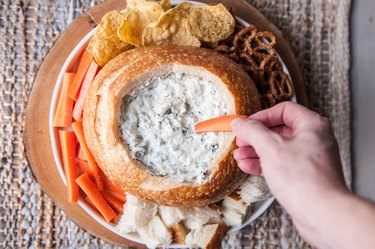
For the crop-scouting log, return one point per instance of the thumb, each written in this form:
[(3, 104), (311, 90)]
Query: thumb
[(255, 134)]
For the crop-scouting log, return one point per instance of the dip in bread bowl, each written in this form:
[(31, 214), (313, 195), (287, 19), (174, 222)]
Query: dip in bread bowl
[(138, 122)]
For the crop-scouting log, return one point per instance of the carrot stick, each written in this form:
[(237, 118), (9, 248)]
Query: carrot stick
[(85, 168), (108, 184), (97, 199), (116, 219), (80, 153), (67, 141), (219, 124), (89, 201), (83, 66), (95, 170), (63, 115), (113, 202), (90, 75), (120, 197)]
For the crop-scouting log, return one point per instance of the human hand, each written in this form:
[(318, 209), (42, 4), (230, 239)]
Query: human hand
[(296, 151)]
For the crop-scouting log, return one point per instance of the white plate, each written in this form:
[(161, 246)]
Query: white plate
[(259, 209)]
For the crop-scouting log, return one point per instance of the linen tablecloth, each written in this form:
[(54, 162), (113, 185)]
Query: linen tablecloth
[(317, 30)]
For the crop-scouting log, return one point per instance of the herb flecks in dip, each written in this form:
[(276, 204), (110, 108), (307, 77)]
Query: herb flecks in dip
[(157, 123)]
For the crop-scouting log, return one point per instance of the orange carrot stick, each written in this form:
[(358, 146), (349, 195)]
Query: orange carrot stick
[(116, 219), (83, 66), (219, 124), (90, 75), (89, 201), (63, 115), (108, 184), (118, 196), (67, 141), (113, 202), (97, 199), (95, 170), (85, 168), (80, 153)]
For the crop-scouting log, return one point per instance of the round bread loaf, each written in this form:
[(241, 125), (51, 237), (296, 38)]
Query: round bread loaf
[(140, 70)]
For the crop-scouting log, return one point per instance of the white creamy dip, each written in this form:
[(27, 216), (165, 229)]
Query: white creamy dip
[(157, 124)]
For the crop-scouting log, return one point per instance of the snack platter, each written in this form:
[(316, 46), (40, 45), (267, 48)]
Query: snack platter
[(69, 63)]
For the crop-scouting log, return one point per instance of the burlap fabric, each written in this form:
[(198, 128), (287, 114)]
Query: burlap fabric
[(318, 31)]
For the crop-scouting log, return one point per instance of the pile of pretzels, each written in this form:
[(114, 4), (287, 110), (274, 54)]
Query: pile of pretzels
[(255, 52)]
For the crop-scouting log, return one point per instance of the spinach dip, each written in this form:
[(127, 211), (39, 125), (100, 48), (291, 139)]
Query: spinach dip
[(157, 124)]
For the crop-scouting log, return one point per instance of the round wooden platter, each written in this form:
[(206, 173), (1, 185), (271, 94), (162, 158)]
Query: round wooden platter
[(37, 138)]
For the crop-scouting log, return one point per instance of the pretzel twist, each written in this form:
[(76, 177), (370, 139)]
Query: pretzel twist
[(246, 34), (280, 86)]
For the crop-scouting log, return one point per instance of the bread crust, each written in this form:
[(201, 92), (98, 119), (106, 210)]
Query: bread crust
[(178, 233), (217, 237), (100, 123)]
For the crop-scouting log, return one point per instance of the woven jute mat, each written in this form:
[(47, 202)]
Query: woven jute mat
[(317, 30)]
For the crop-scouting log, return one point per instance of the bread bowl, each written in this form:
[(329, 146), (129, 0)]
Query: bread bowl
[(141, 70)]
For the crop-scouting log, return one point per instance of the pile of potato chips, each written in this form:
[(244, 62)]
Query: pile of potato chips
[(147, 23)]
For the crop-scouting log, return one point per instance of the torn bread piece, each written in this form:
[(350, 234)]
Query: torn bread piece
[(254, 189), (179, 233), (199, 216), (155, 233), (234, 210), (137, 213), (170, 215), (207, 237)]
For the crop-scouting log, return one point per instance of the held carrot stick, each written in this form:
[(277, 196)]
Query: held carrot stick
[(63, 115), (95, 196), (67, 141), (219, 124), (90, 75), (95, 170), (83, 66)]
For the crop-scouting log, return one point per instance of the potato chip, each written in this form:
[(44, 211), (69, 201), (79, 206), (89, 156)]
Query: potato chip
[(130, 4), (165, 4), (210, 23), (136, 21), (105, 44), (171, 29)]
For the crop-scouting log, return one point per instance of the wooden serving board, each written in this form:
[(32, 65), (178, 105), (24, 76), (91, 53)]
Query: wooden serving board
[(37, 139)]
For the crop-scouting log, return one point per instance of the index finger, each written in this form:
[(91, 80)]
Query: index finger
[(288, 113)]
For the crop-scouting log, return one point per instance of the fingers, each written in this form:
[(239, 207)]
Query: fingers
[(244, 153), (286, 113), (255, 134), (283, 131), (241, 143), (250, 166)]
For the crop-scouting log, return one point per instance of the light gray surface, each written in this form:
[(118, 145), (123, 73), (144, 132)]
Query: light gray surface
[(363, 89)]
